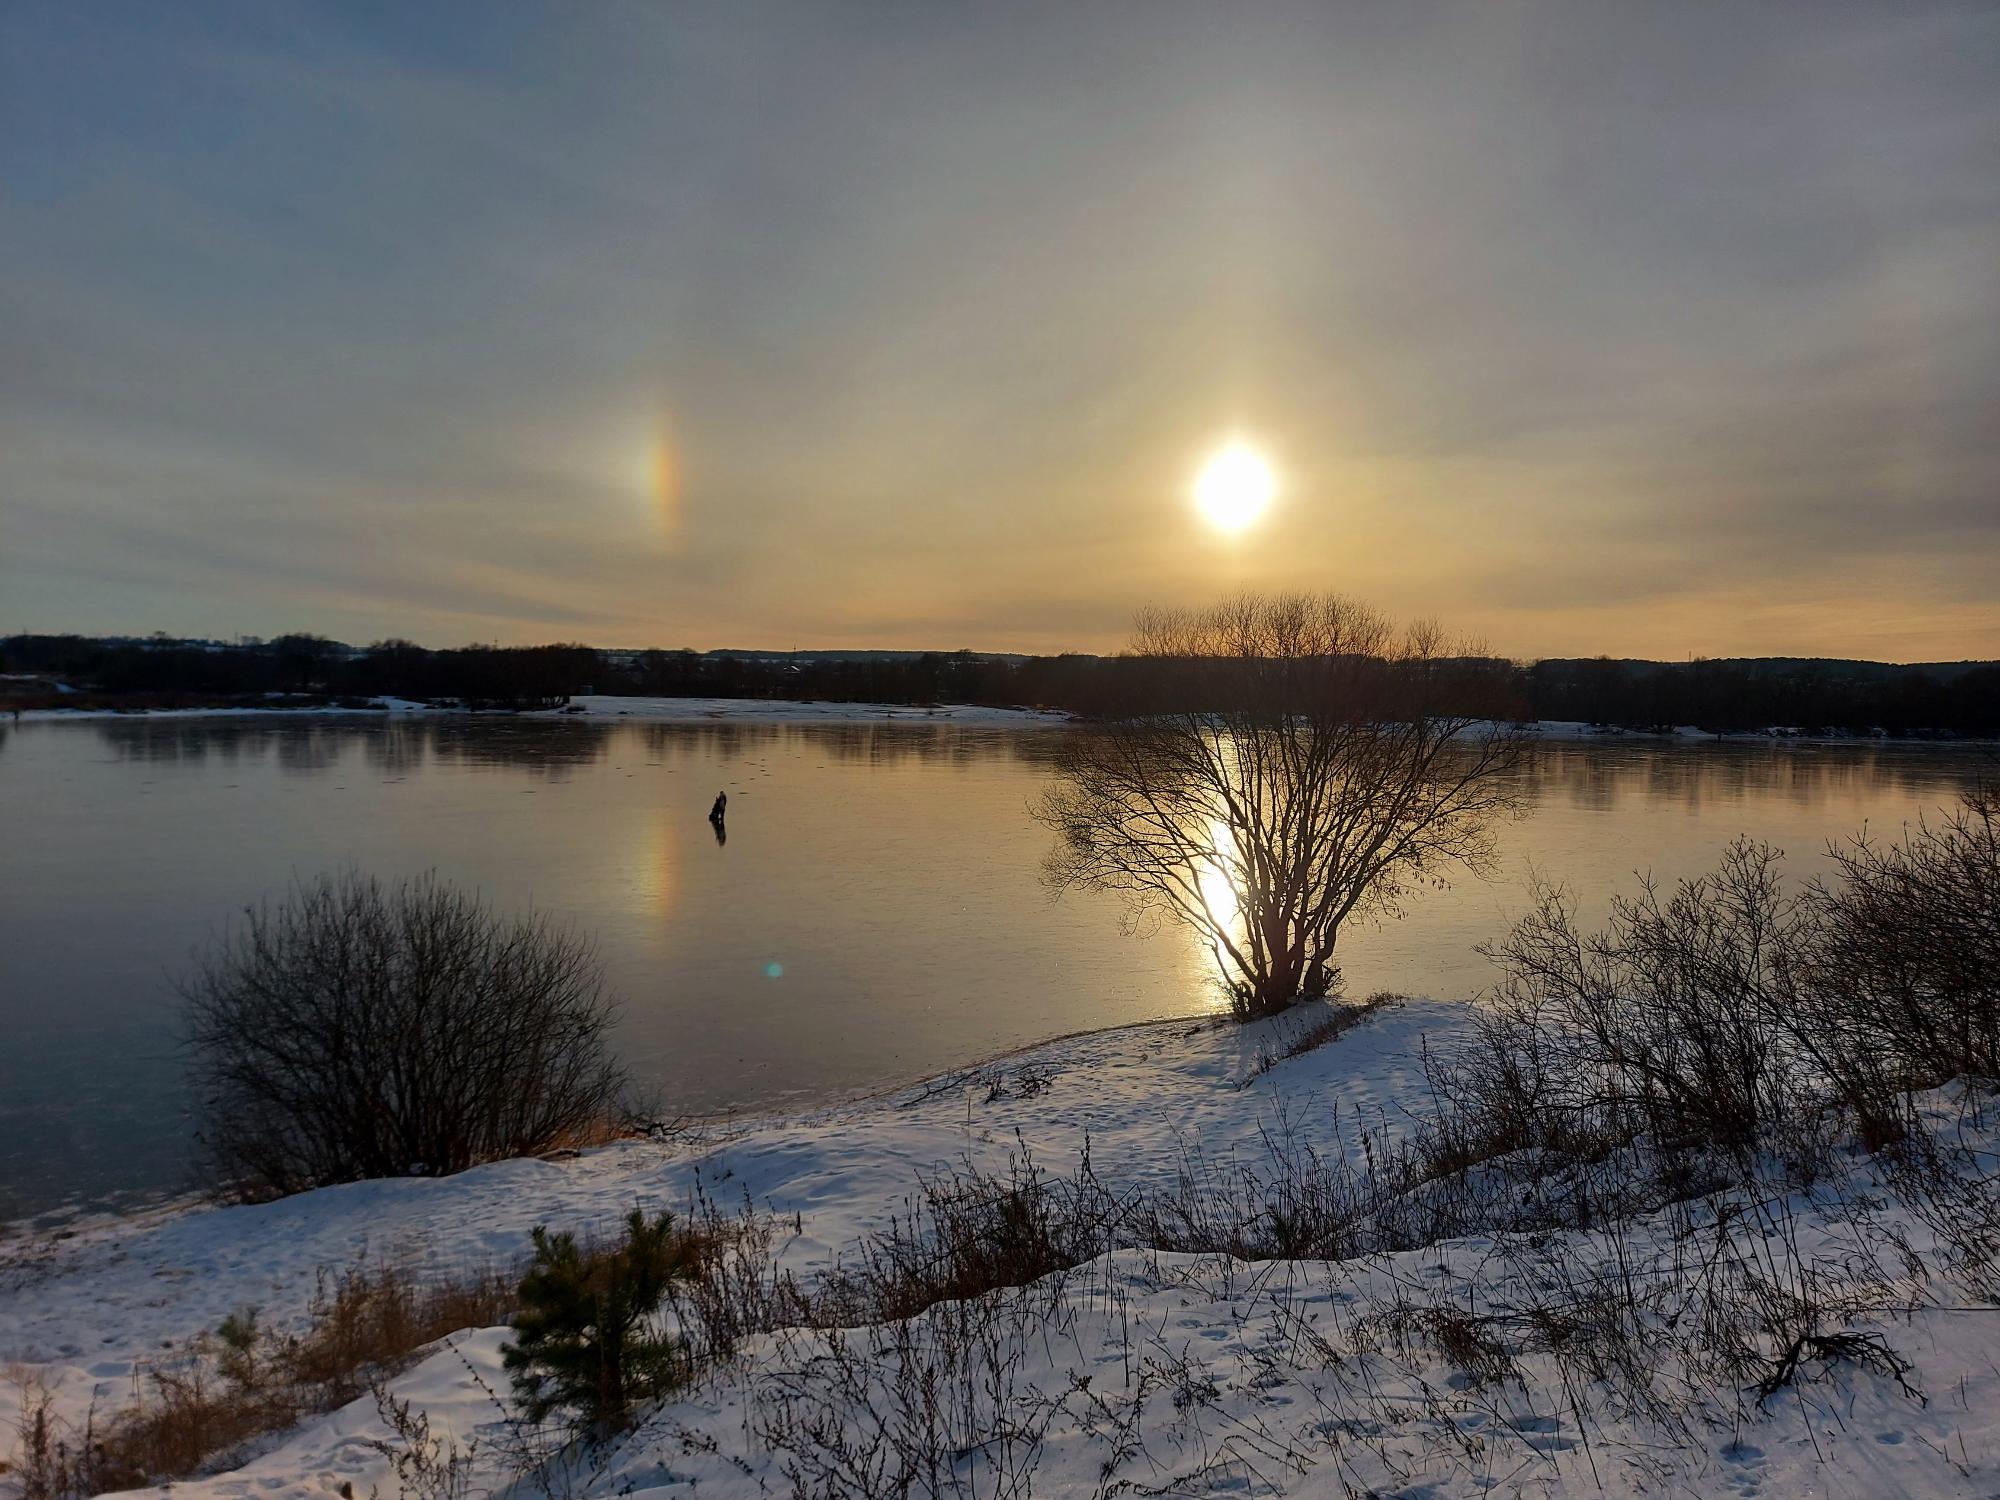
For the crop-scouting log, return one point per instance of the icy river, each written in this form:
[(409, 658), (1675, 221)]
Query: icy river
[(875, 914)]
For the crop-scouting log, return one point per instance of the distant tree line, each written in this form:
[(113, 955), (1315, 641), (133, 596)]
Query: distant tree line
[(1957, 698), (1721, 695), (163, 670)]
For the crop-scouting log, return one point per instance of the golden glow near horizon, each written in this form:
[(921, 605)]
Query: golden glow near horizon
[(995, 336), (1234, 488)]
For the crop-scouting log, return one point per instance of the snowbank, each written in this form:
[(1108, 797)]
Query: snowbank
[(784, 711), (651, 710), (787, 711), (1781, 734), (1177, 1374), (115, 1292), (375, 707)]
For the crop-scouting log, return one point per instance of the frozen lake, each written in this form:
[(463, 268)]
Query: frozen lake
[(876, 913)]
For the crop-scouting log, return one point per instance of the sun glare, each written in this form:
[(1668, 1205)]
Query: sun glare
[(1234, 488), (1213, 880)]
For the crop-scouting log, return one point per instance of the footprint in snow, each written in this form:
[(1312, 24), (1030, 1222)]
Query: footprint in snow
[(1749, 1459), (1543, 1434)]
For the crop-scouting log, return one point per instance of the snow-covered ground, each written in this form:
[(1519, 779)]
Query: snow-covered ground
[(376, 707), (788, 711), (1576, 729), (782, 711), (1142, 1372), (653, 710)]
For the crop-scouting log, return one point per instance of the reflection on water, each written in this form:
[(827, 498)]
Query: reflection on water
[(1594, 774), (1599, 776), (874, 913), (549, 747)]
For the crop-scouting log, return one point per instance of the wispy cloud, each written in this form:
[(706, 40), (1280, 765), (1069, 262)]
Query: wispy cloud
[(1653, 329)]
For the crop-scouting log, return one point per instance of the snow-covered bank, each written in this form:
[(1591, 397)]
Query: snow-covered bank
[(650, 710), (1171, 1373), (92, 1308), (1778, 734), (783, 711), (375, 708), (1132, 1091), (600, 707)]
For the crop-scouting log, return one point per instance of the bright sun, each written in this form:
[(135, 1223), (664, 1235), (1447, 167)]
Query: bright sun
[(1234, 488)]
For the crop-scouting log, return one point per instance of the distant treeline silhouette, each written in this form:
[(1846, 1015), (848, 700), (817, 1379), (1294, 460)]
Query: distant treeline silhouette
[(1948, 698)]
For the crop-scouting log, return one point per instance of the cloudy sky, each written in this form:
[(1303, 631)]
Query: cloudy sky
[(1648, 329)]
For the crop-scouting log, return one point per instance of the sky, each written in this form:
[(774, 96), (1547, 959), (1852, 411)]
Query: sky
[(1650, 330)]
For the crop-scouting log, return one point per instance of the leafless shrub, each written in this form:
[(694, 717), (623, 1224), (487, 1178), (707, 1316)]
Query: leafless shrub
[(737, 1289), (1906, 958), (968, 1233), (1734, 1010), (426, 1465), (959, 1401), (934, 1404), (53, 1460), (1501, 1091), (1671, 1012), (1288, 1201), (360, 1030), (1554, 1156)]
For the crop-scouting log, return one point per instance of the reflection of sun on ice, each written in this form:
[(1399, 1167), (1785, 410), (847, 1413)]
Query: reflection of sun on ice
[(1234, 488)]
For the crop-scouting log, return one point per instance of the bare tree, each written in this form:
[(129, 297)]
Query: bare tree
[(356, 1030), (1280, 765)]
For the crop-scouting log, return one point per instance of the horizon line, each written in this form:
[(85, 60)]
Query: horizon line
[(242, 642)]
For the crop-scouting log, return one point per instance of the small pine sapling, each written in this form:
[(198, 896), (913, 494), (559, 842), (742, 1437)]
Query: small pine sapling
[(587, 1338)]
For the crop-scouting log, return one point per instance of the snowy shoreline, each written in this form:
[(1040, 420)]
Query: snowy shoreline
[(1685, 734), (1149, 1101), (87, 1306), (599, 708)]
